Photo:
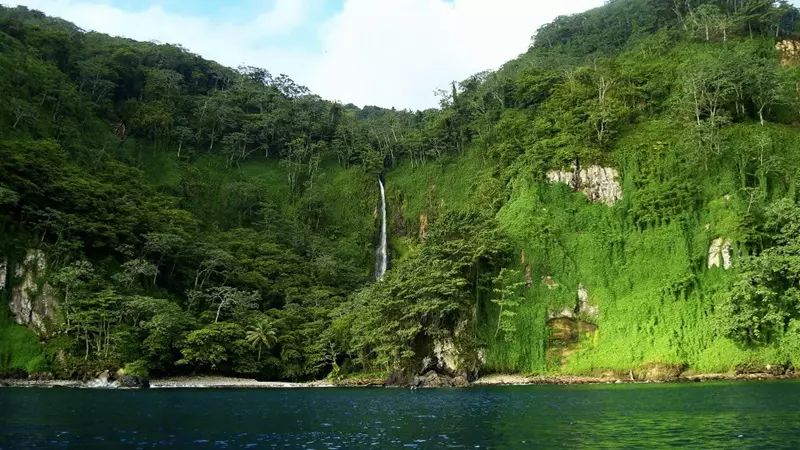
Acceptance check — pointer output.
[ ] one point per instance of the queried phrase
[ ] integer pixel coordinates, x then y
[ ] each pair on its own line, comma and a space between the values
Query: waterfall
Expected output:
381, 255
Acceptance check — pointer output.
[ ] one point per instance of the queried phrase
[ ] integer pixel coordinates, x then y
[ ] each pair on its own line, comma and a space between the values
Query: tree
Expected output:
262, 334
74, 281
229, 298
213, 345
766, 297
508, 285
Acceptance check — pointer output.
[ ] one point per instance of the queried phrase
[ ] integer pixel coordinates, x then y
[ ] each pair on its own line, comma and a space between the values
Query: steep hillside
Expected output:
620, 198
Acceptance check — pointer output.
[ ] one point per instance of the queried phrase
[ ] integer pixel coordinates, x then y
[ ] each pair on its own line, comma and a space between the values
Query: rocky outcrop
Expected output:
3, 273
582, 307
423, 226
567, 312
32, 304
435, 380
719, 254
599, 184
657, 372
570, 323
446, 356
133, 382
549, 282
789, 50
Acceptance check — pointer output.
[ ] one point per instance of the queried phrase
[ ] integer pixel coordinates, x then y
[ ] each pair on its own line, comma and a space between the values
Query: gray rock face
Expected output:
599, 184
3, 273
30, 304
447, 358
583, 303
719, 254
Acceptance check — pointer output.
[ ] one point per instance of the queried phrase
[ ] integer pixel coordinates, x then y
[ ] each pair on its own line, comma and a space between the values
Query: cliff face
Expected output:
32, 303
599, 184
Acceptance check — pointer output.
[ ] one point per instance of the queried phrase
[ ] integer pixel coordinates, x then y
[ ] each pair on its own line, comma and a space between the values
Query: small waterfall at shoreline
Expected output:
381, 254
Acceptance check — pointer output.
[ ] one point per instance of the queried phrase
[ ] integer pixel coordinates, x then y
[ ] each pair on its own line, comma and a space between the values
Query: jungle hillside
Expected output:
620, 198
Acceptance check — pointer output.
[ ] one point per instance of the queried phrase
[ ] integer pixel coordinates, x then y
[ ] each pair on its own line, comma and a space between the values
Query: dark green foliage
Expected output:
766, 298
423, 299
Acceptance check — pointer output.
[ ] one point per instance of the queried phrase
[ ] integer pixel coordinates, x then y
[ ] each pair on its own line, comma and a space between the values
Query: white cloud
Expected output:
381, 52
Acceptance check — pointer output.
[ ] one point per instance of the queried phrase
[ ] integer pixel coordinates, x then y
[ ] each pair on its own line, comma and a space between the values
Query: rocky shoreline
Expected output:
428, 381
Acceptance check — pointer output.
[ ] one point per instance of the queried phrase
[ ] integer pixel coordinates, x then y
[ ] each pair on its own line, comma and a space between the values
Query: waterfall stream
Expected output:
381, 254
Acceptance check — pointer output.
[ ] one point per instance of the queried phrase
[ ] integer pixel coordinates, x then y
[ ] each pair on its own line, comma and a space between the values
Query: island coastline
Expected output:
493, 380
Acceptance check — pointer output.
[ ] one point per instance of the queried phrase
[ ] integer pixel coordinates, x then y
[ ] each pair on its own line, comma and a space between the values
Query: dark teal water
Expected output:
719, 415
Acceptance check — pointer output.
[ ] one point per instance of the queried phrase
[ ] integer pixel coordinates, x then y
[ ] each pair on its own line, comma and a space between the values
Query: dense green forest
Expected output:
622, 195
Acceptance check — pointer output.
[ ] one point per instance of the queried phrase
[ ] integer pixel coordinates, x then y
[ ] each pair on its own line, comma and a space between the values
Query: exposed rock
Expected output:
565, 338
529, 276
396, 379
658, 372
789, 51
726, 255
719, 254
3, 273
436, 380
30, 304
423, 226
482, 356
564, 313
770, 369
584, 307
460, 382
549, 282
104, 376
522, 258
599, 184
568, 325
41, 376
133, 382
446, 356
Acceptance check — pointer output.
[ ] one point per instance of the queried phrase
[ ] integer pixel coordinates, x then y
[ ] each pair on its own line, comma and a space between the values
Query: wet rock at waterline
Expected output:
133, 382
436, 380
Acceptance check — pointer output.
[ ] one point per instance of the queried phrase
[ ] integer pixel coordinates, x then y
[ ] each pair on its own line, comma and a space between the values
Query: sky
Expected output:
390, 53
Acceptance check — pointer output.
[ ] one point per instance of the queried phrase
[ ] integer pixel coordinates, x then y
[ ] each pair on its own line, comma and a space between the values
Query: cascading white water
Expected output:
381, 256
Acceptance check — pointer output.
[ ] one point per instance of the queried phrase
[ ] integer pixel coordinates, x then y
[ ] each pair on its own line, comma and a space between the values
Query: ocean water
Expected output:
764, 415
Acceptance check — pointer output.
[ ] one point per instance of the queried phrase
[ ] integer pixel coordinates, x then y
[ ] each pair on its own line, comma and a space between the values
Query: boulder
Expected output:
133, 382
104, 376
460, 382
436, 380
658, 372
